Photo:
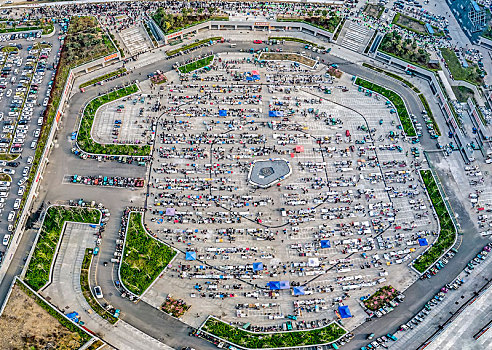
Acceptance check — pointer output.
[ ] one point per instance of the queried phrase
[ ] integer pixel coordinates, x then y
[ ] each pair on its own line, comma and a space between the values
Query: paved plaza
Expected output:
135, 39
341, 225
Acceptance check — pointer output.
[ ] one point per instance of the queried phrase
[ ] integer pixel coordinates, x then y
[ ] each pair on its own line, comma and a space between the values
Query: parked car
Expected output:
98, 292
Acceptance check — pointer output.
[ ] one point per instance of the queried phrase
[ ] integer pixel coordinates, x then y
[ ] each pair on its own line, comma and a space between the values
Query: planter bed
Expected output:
143, 258
447, 234
38, 271
195, 65
258, 340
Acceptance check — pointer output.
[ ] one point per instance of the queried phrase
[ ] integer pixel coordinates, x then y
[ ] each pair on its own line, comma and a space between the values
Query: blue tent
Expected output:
256, 77
344, 311
258, 266
190, 256
249, 78
274, 285
325, 244
276, 114
284, 285
222, 113
299, 290
423, 242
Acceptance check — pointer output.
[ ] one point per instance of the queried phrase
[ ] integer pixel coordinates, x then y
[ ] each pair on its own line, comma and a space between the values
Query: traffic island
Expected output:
259, 340
39, 268
196, 65
144, 257
447, 233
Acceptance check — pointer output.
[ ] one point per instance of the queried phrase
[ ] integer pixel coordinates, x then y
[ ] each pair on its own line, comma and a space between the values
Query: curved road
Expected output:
145, 317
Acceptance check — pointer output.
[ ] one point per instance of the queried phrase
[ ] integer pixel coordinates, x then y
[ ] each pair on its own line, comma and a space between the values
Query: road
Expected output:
141, 315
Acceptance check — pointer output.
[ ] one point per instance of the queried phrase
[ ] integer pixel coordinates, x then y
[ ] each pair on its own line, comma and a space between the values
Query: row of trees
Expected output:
171, 22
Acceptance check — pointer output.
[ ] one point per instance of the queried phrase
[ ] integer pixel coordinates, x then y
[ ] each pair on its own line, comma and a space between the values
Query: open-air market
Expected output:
245, 175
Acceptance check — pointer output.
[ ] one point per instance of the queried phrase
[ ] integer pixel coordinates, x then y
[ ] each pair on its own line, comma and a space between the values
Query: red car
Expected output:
257, 41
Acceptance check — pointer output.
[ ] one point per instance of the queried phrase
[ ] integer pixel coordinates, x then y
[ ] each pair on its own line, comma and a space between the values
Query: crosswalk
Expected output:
355, 36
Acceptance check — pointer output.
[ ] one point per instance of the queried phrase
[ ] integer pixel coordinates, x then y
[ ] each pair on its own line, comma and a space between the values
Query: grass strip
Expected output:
258, 340
86, 289
198, 64
38, 271
447, 235
84, 138
144, 257
429, 113
60, 318
102, 78
192, 45
339, 29
470, 74
397, 101
297, 40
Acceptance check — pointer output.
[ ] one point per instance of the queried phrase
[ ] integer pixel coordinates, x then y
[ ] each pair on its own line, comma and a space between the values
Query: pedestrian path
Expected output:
354, 36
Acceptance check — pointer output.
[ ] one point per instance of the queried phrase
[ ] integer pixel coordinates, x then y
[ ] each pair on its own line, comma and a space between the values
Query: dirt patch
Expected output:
25, 325
373, 10
288, 57
412, 24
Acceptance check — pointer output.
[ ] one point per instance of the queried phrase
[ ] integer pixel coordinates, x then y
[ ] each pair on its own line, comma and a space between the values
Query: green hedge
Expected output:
430, 114
85, 286
84, 337
38, 271
447, 234
192, 66
144, 257
397, 101
470, 74
102, 77
251, 340
84, 138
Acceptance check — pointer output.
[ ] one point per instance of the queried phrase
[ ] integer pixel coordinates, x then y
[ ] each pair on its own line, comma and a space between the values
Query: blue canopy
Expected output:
274, 285
344, 311
190, 256
423, 242
249, 78
256, 77
222, 113
299, 290
284, 285
276, 114
325, 243
258, 266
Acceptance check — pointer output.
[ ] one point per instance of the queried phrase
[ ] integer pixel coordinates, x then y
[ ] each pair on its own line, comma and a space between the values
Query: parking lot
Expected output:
25, 84
345, 221
127, 120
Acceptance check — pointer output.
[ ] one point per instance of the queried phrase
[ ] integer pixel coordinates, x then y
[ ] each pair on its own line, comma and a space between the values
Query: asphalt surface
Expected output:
150, 320
38, 110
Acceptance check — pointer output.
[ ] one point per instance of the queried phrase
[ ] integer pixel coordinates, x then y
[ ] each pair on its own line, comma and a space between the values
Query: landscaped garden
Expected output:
38, 271
86, 289
327, 21
106, 76
258, 340
84, 138
144, 258
171, 22
195, 65
28, 322
84, 43
462, 93
396, 100
381, 298
414, 25
447, 235
175, 307
407, 50
471, 74
192, 45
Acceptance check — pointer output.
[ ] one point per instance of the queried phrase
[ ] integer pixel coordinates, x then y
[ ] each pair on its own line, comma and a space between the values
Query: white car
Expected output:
98, 292
37, 132
30, 159
9, 171
17, 203
11, 216
6, 239
21, 190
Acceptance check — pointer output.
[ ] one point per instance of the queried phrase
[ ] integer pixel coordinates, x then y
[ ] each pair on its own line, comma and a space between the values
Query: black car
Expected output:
13, 164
